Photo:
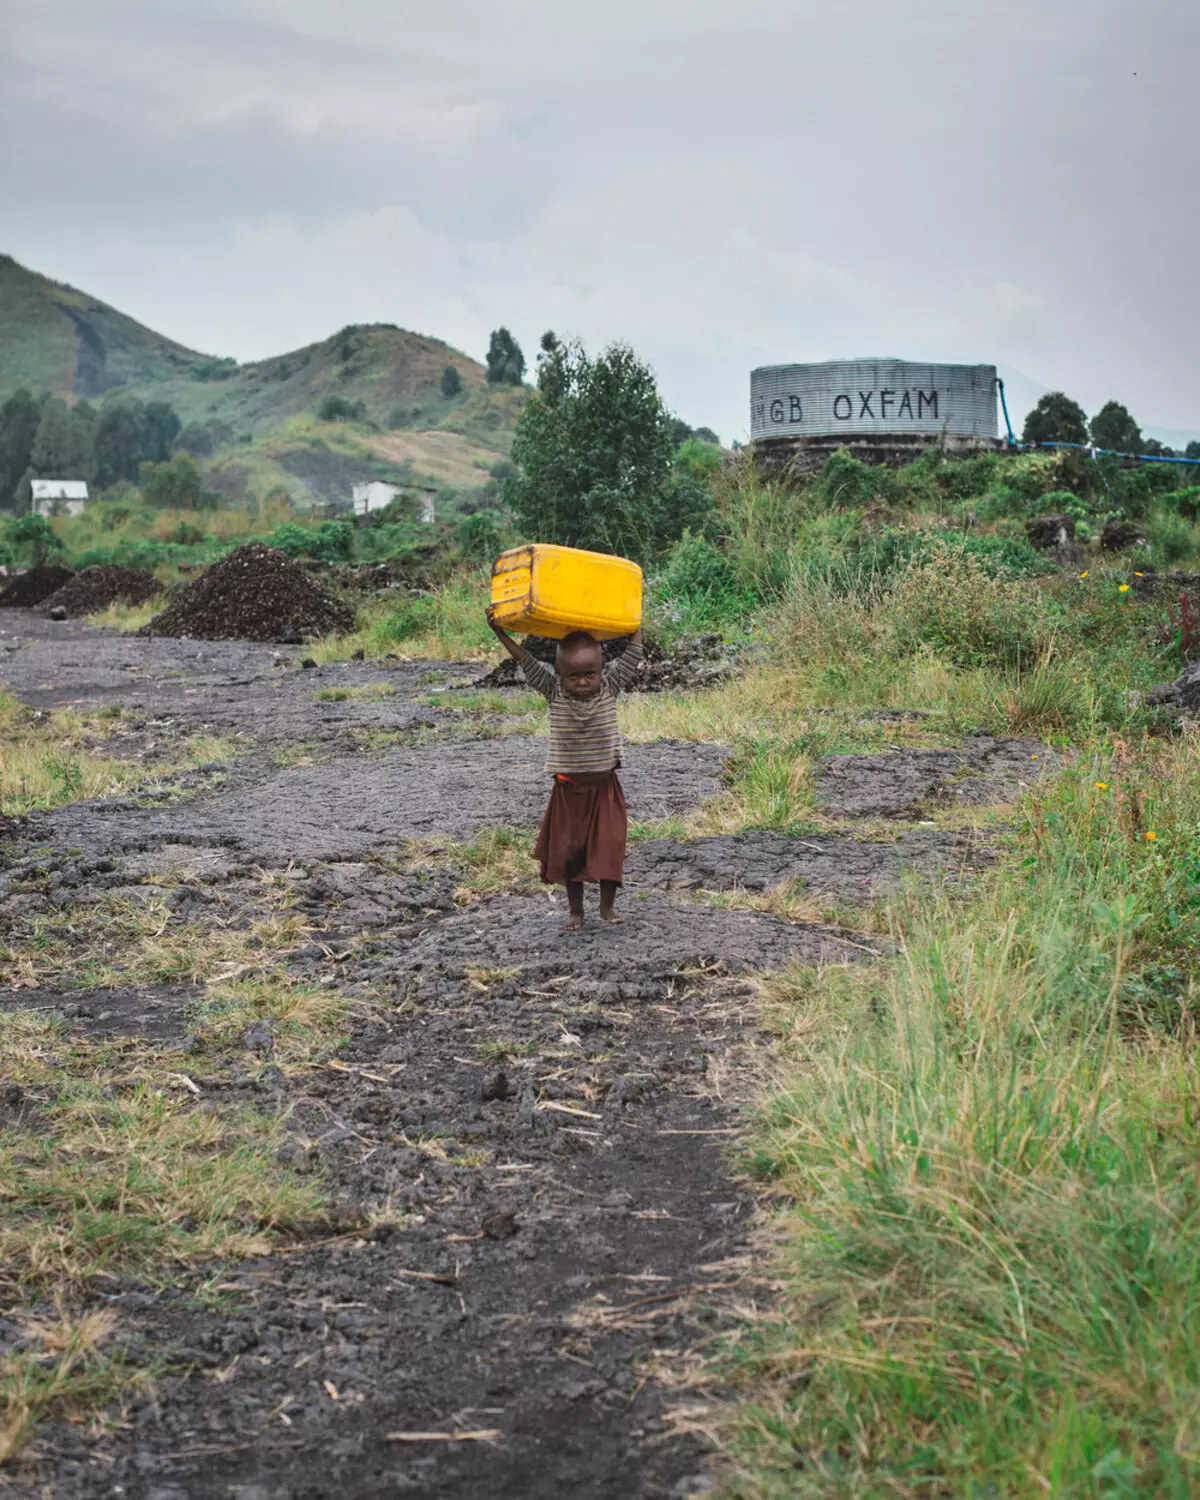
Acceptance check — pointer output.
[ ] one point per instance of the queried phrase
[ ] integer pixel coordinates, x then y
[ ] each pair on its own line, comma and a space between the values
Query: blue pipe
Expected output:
1145, 458
1012, 441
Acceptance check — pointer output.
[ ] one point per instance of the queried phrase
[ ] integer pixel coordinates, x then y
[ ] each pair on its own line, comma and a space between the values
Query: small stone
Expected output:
496, 1086
193, 1043
59, 612
500, 1224
307, 661
11, 1095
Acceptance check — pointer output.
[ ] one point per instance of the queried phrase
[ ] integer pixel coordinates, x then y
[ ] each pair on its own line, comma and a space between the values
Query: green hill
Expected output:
263, 418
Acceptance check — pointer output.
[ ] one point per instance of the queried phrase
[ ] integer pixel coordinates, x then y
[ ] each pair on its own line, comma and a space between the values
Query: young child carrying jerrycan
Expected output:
582, 597
582, 836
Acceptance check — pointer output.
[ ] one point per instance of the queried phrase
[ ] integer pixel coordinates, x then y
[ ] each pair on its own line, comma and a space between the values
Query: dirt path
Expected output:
520, 1137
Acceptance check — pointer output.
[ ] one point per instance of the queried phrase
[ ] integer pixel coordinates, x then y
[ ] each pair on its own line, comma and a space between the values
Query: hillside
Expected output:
262, 417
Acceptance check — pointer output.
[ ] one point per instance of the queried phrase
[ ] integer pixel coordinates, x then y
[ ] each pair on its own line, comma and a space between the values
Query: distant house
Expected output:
58, 497
376, 495
373, 496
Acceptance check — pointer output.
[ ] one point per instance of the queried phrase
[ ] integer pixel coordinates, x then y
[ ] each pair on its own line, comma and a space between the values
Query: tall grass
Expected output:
993, 1265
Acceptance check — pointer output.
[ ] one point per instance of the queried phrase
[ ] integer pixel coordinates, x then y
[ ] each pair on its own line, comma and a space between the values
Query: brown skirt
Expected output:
582, 836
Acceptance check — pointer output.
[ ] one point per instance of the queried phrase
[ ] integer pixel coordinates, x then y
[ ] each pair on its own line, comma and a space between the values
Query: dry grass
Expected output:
121, 1171
128, 618
61, 1369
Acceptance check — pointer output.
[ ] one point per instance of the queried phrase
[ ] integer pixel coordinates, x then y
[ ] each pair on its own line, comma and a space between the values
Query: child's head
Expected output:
580, 662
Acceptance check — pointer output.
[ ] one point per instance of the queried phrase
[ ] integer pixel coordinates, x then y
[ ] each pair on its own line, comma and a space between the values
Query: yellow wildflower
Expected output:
1151, 835
1085, 573
1123, 589
1102, 786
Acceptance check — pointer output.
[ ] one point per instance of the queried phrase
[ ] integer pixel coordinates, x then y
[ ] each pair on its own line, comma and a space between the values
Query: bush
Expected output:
452, 383
478, 538
701, 577
847, 481
956, 604
331, 541
338, 409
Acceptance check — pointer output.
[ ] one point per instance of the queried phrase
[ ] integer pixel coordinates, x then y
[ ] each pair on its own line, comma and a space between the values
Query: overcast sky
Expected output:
720, 183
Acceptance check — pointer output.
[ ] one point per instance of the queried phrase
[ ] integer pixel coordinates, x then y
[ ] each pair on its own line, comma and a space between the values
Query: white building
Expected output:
373, 496
58, 497
377, 494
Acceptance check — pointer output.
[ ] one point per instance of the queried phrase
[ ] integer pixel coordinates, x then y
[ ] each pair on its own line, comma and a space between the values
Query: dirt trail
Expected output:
532, 1122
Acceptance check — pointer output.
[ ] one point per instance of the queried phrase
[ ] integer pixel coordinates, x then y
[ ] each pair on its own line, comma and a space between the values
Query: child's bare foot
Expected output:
613, 917
608, 895
574, 922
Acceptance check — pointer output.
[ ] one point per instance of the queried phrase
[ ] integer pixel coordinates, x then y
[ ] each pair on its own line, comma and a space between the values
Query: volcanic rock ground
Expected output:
539, 1119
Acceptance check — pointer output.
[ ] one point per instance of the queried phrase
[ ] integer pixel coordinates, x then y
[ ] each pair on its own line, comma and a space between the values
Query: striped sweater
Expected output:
583, 731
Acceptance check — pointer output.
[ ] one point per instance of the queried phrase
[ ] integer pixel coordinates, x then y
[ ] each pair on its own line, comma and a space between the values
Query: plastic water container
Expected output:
551, 591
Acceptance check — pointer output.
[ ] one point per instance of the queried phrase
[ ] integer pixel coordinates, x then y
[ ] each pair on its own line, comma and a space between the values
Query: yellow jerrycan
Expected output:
551, 591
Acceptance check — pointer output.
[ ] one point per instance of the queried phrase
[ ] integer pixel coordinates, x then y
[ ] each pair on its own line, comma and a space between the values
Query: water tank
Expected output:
856, 399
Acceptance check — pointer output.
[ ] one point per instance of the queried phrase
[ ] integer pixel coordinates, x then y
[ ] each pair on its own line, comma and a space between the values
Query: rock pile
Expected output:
254, 594
28, 589
693, 661
97, 588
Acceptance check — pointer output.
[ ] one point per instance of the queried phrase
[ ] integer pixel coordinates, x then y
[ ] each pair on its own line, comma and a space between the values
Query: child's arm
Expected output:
541, 678
517, 652
624, 669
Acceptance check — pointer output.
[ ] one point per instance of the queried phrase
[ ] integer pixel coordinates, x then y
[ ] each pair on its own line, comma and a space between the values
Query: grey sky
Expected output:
720, 184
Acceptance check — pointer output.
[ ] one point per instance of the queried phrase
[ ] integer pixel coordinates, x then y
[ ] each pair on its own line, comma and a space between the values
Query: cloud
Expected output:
719, 185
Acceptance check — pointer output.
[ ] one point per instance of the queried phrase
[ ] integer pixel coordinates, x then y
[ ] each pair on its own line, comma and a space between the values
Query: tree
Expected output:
197, 439
451, 382
593, 450
20, 417
120, 440
1114, 428
81, 441
50, 456
162, 428
173, 486
1192, 450
32, 534
505, 362
1056, 419
338, 409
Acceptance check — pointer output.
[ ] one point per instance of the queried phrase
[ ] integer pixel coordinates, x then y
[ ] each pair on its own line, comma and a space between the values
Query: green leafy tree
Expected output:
197, 439
162, 428
338, 409
120, 440
452, 382
1192, 450
1056, 419
32, 537
173, 486
505, 362
20, 417
593, 450
1114, 428
81, 441
49, 459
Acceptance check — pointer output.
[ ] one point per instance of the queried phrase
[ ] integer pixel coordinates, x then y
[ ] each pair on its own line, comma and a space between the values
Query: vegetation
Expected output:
505, 362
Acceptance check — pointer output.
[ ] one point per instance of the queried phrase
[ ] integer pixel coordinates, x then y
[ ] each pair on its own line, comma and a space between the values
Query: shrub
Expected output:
452, 383
847, 481
331, 541
338, 409
698, 574
956, 604
478, 538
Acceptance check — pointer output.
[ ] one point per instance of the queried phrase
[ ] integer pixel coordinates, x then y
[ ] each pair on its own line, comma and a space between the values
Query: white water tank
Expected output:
872, 398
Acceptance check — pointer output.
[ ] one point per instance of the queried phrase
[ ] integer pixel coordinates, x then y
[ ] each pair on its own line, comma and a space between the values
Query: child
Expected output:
582, 836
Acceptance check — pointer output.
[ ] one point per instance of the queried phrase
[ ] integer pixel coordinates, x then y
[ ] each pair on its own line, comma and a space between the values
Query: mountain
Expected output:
263, 422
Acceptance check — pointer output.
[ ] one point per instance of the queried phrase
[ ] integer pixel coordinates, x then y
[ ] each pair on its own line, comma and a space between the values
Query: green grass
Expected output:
991, 1267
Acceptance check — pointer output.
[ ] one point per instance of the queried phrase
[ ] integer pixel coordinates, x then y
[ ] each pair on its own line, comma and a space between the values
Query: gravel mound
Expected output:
97, 588
30, 588
254, 594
